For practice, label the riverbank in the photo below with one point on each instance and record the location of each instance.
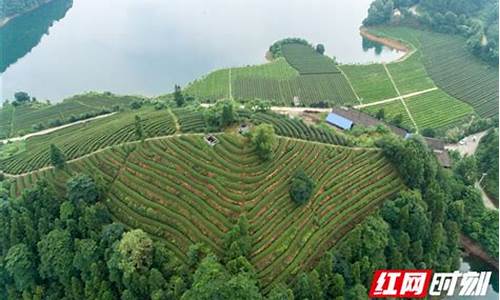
(388, 42)
(473, 248)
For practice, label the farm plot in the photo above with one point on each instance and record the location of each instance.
(452, 67)
(26, 116)
(306, 60)
(6, 113)
(437, 109)
(393, 110)
(183, 191)
(277, 69)
(410, 75)
(370, 82)
(190, 120)
(212, 87)
(84, 138)
(460, 74)
(332, 89)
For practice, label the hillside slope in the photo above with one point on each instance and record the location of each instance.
(183, 191)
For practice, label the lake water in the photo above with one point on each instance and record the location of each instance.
(471, 263)
(147, 46)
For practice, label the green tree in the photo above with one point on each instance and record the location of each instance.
(82, 188)
(228, 115)
(56, 256)
(139, 131)
(301, 187)
(178, 96)
(467, 170)
(264, 140)
(22, 97)
(280, 292)
(20, 264)
(320, 48)
(136, 249)
(57, 157)
(380, 114)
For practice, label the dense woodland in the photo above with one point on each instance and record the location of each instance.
(476, 20)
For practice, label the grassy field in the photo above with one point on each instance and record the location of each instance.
(437, 109)
(451, 67)
(306, 60)
(24, 117)
(370, 82)
(183, 191)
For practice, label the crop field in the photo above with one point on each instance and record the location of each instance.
(5, 120)
(26, 116)
(190, 120)
(183, 191)
(212, 87)
(82, 139)
(391, 109)
(370, 82)
(307, 61)
(410, 75)
(437, 109)
(452, 67)
(460, 74)
(277, 69)
(311, 89)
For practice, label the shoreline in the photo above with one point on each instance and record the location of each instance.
(7, 19)
(388, 42)
(473, 248)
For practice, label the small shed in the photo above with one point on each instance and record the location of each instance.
(339, 121)
(243, 129)
(211, 140)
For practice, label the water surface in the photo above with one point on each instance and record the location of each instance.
(147, 46)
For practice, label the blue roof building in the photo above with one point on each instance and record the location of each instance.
(339, 121)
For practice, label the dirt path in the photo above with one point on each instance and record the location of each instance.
(176, 120)
(49, 130)
(395, 98)
(400, 98)
(469, 146)
(350, 84)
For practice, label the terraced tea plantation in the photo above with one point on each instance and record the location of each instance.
(307, 61)
(451, 67)
(82, 139)
(302, 73)
(21, 119)
(183, 191)
(370, 82)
